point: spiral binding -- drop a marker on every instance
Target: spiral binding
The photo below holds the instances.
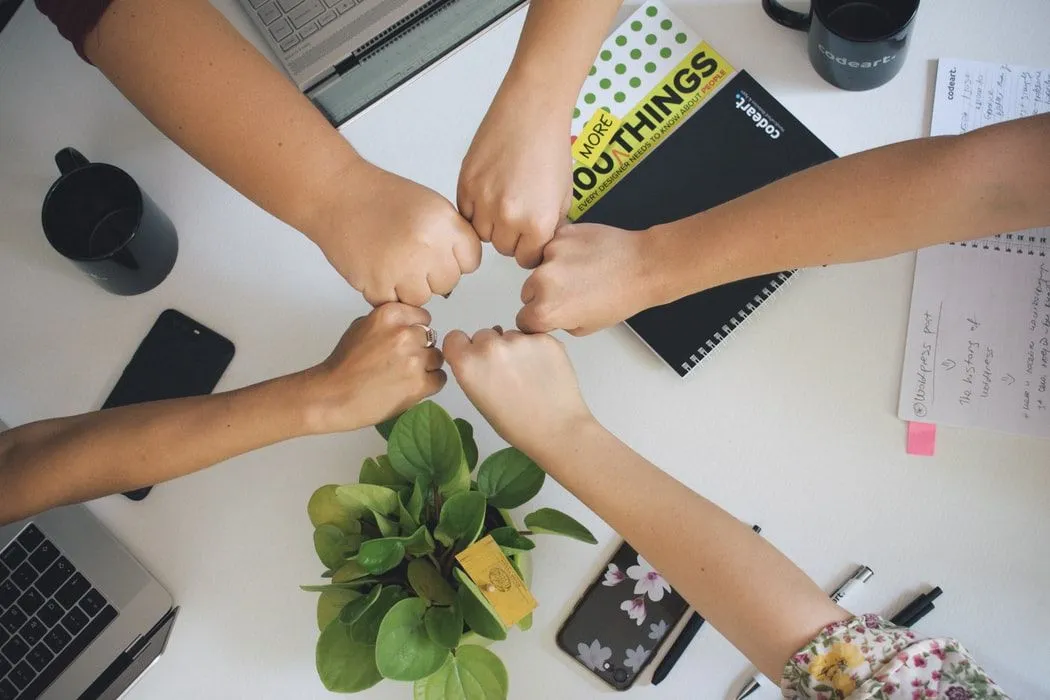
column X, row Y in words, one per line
column 1017, row 243
column 738, row 319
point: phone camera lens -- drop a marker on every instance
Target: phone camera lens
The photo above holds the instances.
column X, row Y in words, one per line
column 620, row 675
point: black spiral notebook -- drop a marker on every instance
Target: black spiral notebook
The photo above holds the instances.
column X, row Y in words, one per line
column 738, row 141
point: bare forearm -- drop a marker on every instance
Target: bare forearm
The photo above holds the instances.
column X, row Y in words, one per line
column 189, row 71
column 869, row 205
column 68, row 460
column 743, row 586
column 557, row 47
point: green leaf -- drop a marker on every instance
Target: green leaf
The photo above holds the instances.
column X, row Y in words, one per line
column 444, row 625
column 428, row 583
column 554, row 522
column 326, row 508
column 378, row 472
column 525, row 623
column 365, row 629
column 344, row 665
column 462, row 517
column 330, row 603
column 381, row 500
column 509, row 538
column 411, row 509
column 470, row 447
column 459, row 482
column 355, row 609
column 472, row 673
column 478, row 613
column 387, row 426
column 333, row 547
column 387, row 526
column 425, row 445
column 404, row 651
column 349, row 571
column 509, row 479
column 382, row 555
column 419, row 542
column 328, row 543
column 415, row 501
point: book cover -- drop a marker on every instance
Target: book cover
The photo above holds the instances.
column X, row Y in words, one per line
column 739, row 140
column 650, row 74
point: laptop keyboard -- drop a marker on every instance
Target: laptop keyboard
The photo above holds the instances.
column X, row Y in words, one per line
column 290, row 22
column 49, row 613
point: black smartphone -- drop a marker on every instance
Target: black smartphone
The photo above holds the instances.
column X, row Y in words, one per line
column 179, row 357
column 622, row 619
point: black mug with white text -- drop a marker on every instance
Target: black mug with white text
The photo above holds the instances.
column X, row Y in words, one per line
column 853, row 44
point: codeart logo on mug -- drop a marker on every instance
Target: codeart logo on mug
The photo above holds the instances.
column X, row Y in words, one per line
column 842, row 61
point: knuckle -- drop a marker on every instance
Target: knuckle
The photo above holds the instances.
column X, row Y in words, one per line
column 387, row 313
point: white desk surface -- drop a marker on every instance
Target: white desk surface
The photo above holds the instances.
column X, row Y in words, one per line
column 791, row 425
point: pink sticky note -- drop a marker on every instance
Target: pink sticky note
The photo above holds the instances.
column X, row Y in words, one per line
column 922, row 437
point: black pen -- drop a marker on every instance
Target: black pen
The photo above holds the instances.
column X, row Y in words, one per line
column 909, row 611
column 678, row 648
column 682, row 641
column 926, row 610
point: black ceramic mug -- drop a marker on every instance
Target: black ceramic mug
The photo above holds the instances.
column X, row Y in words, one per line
column 853, row 44
column 96, row 216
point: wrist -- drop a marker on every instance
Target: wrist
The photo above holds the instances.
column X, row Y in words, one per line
column 541, row 86
column 557, row 445
column 662, row 271
column 328, row 215
column 318, row 408
column 685, row 260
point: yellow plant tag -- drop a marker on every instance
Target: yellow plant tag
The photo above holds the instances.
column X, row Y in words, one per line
column 495, row 576
column 594, row 137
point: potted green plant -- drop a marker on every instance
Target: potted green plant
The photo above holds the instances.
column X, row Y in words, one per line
column 396, row 604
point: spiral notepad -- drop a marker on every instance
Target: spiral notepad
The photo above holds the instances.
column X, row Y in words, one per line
column 738, row 140
column 978, row 351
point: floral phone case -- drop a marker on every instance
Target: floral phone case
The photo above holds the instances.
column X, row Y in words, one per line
column 621, row 620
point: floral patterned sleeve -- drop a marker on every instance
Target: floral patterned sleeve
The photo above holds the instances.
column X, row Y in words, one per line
column 868, row 658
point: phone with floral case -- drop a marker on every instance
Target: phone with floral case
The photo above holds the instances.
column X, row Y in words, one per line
column 621, row 619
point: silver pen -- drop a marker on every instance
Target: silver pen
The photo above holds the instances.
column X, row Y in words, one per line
column 861, row 575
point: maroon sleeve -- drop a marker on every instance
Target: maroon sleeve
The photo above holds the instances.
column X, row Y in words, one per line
column 74, row 18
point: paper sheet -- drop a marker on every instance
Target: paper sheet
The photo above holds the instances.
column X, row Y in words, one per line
column 978, row 351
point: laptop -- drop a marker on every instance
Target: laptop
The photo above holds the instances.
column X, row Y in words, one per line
column 347, row 54
column 79, row 616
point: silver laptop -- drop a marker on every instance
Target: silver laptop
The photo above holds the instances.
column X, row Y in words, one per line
column 346, row 55
column 79, row 616
column 314, row 38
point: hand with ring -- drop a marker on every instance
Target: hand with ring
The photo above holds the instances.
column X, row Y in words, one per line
column 384, row 364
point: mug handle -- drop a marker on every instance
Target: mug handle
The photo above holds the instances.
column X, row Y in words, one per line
column 69, row 159
column 789, row 18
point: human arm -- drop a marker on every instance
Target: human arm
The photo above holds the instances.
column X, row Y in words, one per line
column 515, row 182
column 207, row 88
column 741, row 584
column 379, row 369
column 869, row 205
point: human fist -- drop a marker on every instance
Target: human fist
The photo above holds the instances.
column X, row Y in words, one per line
column 515, row 182
column 525, row 386
column 396, row 240
column 592, row 277
column 380, row 368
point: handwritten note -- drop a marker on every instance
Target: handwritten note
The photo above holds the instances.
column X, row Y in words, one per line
column 978, row 351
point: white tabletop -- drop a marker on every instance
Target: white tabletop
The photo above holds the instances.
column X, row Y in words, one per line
column 791, row 424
